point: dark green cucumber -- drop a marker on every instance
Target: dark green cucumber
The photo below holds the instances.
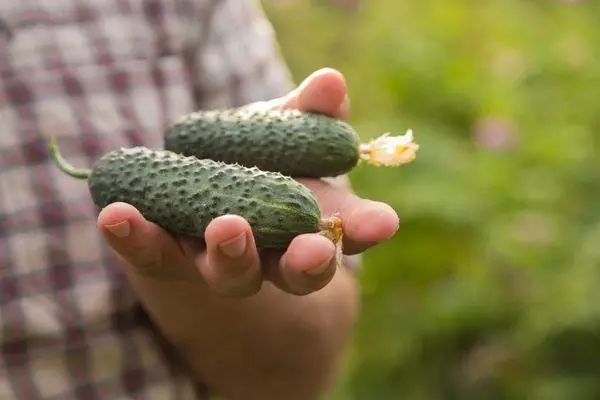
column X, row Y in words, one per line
column 297, row 144
column 292, row 142
column 183, row 194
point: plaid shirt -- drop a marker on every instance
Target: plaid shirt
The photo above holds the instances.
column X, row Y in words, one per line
column 100, row 74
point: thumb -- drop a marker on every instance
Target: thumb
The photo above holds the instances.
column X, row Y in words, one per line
column 143, row 247
column 323, row 92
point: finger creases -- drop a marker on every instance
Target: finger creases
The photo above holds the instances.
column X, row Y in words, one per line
column 143, row 248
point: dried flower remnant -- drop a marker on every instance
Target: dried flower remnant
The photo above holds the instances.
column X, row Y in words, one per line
column 390, row 150
column 332, row 229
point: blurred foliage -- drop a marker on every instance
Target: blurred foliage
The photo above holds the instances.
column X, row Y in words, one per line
column 491, row 288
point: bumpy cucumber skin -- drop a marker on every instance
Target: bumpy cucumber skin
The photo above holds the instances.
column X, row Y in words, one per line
column 183, row 194
column 294, row 143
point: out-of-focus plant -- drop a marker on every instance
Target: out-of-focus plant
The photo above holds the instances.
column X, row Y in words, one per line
column 491, row 288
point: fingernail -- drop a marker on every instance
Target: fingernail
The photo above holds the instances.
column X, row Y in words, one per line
column 318, row 270
column 234, row 247
column 121, row 229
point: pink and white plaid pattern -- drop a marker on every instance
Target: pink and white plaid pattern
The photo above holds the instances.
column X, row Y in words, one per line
column 100, row 74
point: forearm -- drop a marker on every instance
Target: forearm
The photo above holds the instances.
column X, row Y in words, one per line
column 270, row 346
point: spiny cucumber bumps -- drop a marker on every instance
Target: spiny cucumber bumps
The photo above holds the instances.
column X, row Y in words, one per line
column 182, row 194
column 289, row 141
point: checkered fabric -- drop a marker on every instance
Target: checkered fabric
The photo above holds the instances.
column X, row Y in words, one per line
column 100, row 74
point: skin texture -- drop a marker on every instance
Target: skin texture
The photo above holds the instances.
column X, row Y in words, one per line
column 253, row 326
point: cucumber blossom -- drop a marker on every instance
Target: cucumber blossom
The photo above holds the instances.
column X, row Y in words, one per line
column 183, row 194
column 292, row 142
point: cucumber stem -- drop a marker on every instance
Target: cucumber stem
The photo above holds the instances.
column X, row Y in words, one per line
column 390, row 150
column 63, row 164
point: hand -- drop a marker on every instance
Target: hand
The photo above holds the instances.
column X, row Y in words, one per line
column 228, row 261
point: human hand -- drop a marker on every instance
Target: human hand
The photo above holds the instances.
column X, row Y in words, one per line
column 228, row 262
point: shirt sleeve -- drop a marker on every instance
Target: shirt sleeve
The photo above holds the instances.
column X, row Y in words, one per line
column 237, row 60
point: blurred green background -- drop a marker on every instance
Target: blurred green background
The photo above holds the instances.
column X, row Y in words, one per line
column 491, row 288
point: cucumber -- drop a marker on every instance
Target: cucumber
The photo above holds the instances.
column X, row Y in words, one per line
column 182, row 194
column 292, row 142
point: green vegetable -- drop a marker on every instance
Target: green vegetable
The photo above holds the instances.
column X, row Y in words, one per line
column 183, row 194
column 294, row 143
